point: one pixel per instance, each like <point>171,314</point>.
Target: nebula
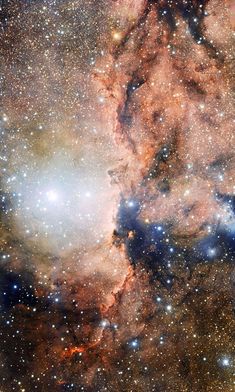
<point>117,196</point>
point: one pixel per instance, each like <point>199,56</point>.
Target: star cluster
<point>117,196</point>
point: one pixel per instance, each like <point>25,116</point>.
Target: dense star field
<point>117,196</point>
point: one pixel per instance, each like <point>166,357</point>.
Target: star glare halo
<point>52,195</point>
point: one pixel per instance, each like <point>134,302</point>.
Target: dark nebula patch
<point>16,289</point>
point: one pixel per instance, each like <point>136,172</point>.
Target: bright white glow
<point>225,362</point>
<point>134,343</point>
<point>105,323</point>
<point>169,308</point>
<point>211,252</point>
<point>52,195</point>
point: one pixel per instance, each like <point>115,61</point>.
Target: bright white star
<point>52,195</point>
